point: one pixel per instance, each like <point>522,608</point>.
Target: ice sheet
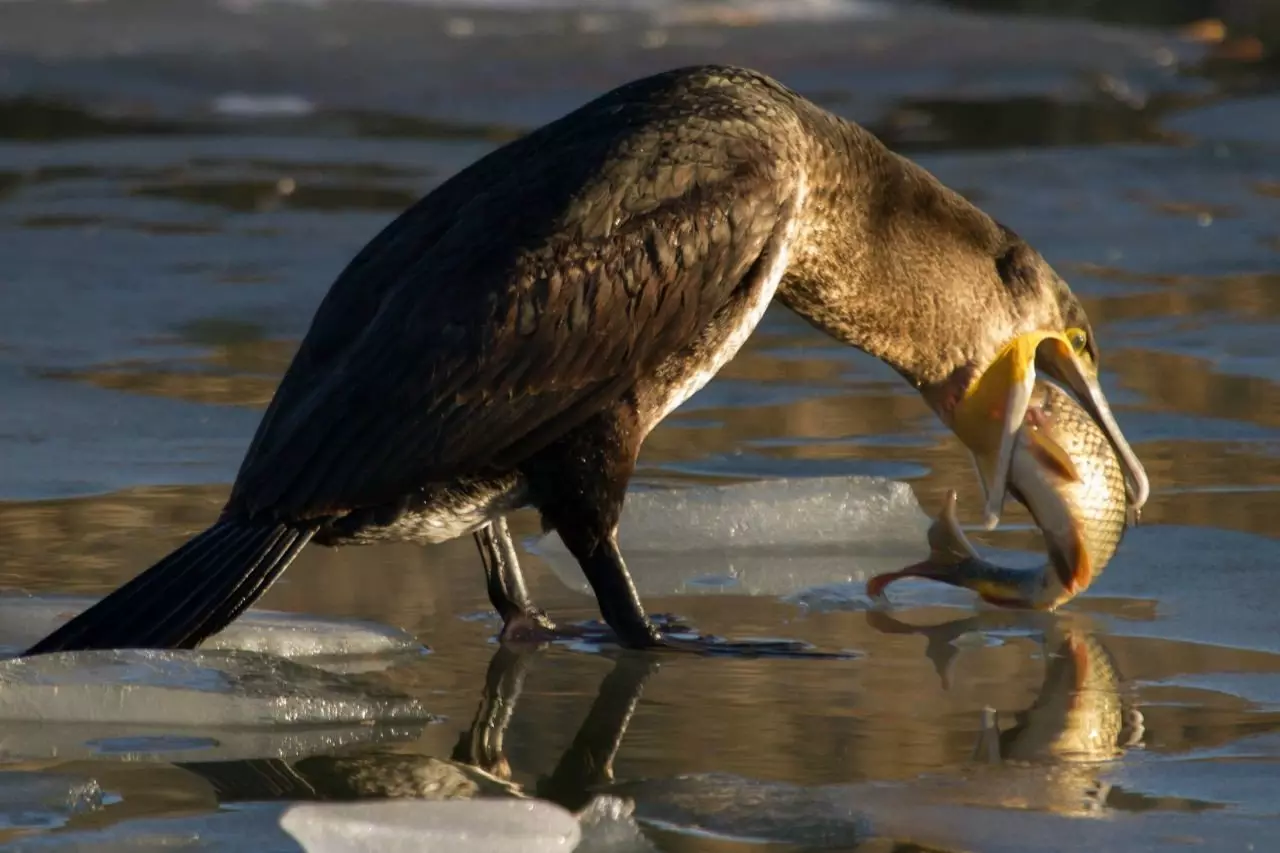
<point>477,826</point>
<point>233,830</point>
<point>770,537</point>
<point>609,826</point>
<point>35,801</point>
<point>173,742</point>
<point>844,816</point>
<point>26,618</point>
<point>191,689</point>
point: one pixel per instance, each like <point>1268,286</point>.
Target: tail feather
<point>189,595</point>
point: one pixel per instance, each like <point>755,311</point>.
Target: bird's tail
<point>189,595</point>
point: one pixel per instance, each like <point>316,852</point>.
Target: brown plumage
<point>512,338</point>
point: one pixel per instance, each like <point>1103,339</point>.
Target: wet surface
<point>176,196</point>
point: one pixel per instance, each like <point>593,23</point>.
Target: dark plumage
<point>512,338</point>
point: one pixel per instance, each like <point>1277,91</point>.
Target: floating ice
<point>26,618</point>
<point>764,538</point>
<point>420,826</point>
<point>609,826</point>
<point>190,706</point>
<point>33,801</point>
<point>198,688</point>
<point>177,742</point>
<point>233,829</point>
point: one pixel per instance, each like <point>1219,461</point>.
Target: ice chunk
<point>194,688</point>
<point>32,801</point>
<point>234,829</point>
<point>609,826</point>
<point>477,826</point>
<point>190,705</point>
<point>764,538</point>
<point>26,618</point>
<point>178,742</point>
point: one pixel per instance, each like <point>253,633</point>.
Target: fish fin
<point>1071,562</point>
<point>948,547</point>
<point>1051,456</point>
<point>947,543</point>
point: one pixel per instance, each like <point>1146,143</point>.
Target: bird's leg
<point>587,764</point>
<point>620,605</point>
<point>579,485</point>
<point>482,744</point>
<point>616,594</point>
<point>505,582</point>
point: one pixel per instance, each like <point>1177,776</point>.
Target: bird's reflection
<point>477,766</point>
<point>1083,714</point>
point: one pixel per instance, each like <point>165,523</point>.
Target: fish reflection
<point>1083,717</point>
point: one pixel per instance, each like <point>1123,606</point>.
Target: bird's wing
<point>576,266</point>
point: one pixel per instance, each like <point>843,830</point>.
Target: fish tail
<point>190,594</point>
<point>948,548</point>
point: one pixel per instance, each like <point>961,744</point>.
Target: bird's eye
<point>1079,340</point>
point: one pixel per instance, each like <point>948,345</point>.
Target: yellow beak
<point>989,416</point>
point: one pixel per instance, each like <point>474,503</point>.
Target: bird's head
<point>893,262</point>
<point>1041,329</point>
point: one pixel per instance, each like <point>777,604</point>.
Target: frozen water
<point>26,618</point>
<point>232,830</point>
<point>191,688</point>
<point>771,537</point>
<point>69,741</point>
<point>608,826</point>
<point>32,801</point>
<point>845,816</point>
<point>477,826</point>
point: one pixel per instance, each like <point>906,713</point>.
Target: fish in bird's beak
<point>992,410</point>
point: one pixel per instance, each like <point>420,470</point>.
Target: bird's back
<point>526,292</point>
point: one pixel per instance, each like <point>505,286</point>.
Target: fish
<point>1065,471</point>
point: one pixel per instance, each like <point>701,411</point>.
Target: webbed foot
<point>664,633</point>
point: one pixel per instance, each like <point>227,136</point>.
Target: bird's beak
<point>989,416</point>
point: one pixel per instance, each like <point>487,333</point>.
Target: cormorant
<point>511,339</point>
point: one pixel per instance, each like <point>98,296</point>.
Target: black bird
<point>511,339</point>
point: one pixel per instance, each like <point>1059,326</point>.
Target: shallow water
<point>177,191</point>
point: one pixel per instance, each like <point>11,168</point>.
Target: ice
<point>26,618</point>
<point>190,705</point>
<point>179,742</point>
<point>240,828</point>
<point>609,826</point>
<point>770,537</point>
<point>477,826</point>
<point>197,688</point>
<point>34,801</point>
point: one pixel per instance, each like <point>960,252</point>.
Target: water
<point>179,183</point>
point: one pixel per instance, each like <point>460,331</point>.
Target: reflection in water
<point>478,765</point>
<point>1083,715</point>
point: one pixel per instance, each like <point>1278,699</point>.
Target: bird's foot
<point>666,633</point>
<point>528,627</point>
<point>708,644</point>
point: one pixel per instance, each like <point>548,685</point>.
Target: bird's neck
<point>887,258</point>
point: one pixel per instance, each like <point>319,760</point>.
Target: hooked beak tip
<point>1059,362</point>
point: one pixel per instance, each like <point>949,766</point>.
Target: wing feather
<point>481,326</point>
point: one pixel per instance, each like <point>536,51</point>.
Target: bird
<point>510,339</point>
